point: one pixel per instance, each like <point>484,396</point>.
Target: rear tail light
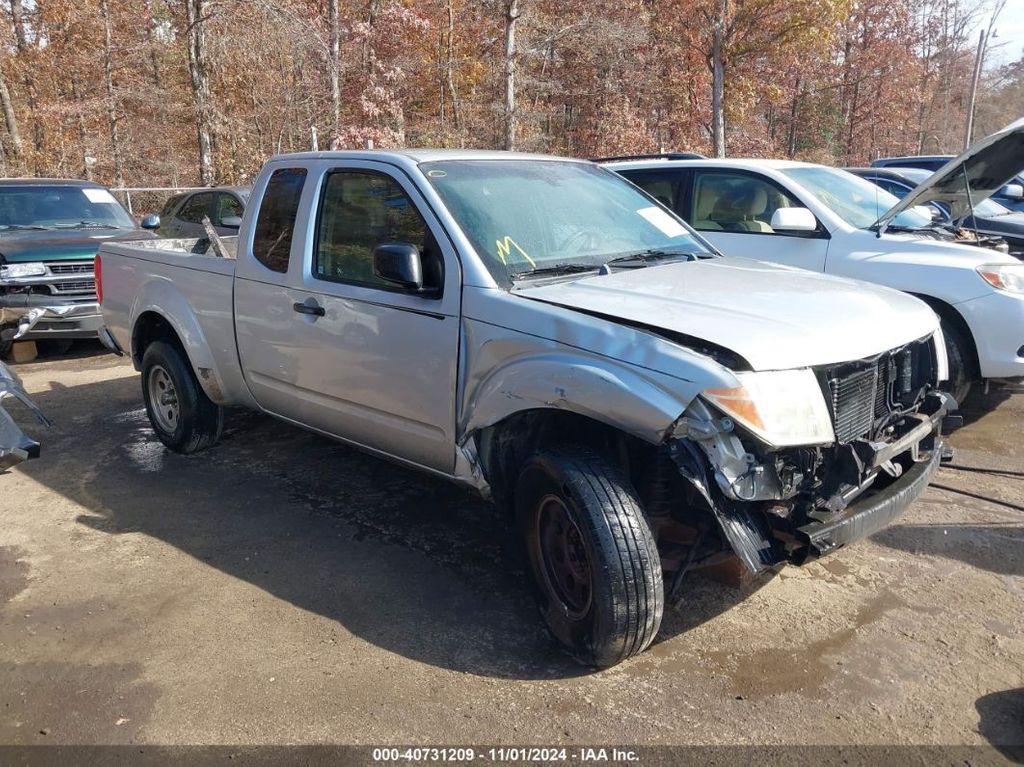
<point>98,270</point>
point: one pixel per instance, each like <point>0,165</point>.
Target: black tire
<point>55,347</point>
<point>6,346</point>
<point>961,369</point>
<point>612,607</point>
<point>198,422</point>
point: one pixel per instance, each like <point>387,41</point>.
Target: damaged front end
<point>793,502</point>
<point>15,446</point>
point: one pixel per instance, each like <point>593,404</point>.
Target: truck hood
<point>23,245</point>
<point>989,164</point>
<point>775,317</point>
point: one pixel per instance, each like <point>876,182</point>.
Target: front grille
<point>864,395</point>
<point>854,400</point>
<point>74,286</point>
<point>72,267</point>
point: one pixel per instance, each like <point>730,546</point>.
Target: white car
<point>827,220</point>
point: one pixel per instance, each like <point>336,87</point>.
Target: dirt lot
<point>281,588</point>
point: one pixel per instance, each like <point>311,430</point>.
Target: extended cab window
<point>360,210</point>
<point>272,240</point>
<point>735,202</point>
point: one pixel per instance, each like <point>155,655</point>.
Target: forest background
<point>181,92</point>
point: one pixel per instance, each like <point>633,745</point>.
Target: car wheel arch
<point>949,314</point>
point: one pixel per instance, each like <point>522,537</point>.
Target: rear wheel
<point>960,369</point>
<point>591,553</point>
<point>183,417</point>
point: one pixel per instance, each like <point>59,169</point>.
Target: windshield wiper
<point>538,271</point>
<point>644,257</point>
<point>86,225</point>
<point>21,226</point>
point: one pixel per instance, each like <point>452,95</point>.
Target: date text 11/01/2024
<point>503,754</point>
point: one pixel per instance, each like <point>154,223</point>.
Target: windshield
<point>984,208</point>
<point>855,200</point>
<point>990,209</point>
<point>527,215</point>
<point>60,207</point>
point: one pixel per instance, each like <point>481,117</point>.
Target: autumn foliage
<point>175,92</point>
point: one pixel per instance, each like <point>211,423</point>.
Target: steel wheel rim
<point>163,399</point>
<point>562,553</point>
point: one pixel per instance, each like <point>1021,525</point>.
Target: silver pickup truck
<point>543,331</point>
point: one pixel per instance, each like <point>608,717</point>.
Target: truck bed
<point>184,281</point>
<point>168,251</point>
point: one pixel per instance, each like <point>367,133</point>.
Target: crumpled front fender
<point>597,388</point>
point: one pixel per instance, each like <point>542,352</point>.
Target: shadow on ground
<point>995,548</point>
<point>980,403</point>
<point>412,564</point>
<point>1001,722</point>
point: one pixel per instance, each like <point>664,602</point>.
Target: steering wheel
<point>581,241</point>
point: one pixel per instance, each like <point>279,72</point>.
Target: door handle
<point>313,309</point>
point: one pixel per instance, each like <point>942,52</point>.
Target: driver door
<point>350,354</point>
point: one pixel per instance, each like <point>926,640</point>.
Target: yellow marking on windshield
<point>505,247</point>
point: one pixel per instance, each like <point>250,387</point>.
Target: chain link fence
<point>141,201</point>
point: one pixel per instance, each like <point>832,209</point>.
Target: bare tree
<point>718,77</point>
<point>512,14</point>
<point>108,81</point>
<point>450,67</point>
<point>10,119</point>
<point>334,65</point>
<point>199,77</point>
<point>22,46</point>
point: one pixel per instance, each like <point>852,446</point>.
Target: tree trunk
<point>199,76</point>
<point>108,81</point>
<point>512,14</point>
<point>792,119</point>
<point>21,42</point>
<point>335,67</point>
<point>718,79</point>
<point>83,137</point>
<point>450,66</point>
<point>11,119</point>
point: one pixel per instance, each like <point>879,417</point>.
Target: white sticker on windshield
<point>668,225</point>
<point>99,195</point>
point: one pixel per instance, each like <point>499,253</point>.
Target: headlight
<point>1008,277</point>
<point>785,408</point>
<point>22,270</point>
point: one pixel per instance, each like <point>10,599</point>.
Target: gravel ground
<point>282,588</point>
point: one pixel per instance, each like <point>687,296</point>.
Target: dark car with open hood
<point>50,230</point>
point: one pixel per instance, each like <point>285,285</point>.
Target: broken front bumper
<point>763,539</point>
<point>15,446</point>
<point>863,518</point>
<point>47,317</point>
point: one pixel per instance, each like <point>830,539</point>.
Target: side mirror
<point>152,221</point>
<point>925,211</point>
<point>231,222</point>
<point>794,220</point>
<point>399,263</point>
<point>1012,192</point>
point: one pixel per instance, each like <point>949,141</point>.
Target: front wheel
<point>183,417</point>
<point>592,555</point>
